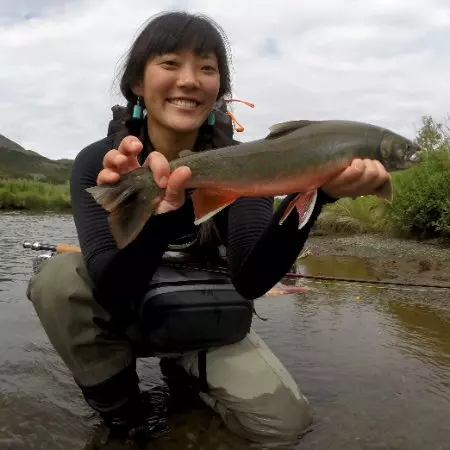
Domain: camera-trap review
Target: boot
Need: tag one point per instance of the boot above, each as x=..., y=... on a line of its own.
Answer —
x=118, y=402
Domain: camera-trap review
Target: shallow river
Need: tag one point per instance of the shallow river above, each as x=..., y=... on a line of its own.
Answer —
x=375, y=363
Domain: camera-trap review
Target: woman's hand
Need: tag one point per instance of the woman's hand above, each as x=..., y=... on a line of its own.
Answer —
x=363, y=177
x=124, y=160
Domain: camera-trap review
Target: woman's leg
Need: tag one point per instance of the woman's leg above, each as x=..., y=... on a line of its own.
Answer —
x=253, y=393
x=100, y=359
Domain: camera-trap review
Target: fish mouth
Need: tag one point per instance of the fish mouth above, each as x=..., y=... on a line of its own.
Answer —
x=184, y=102
x=415, y=157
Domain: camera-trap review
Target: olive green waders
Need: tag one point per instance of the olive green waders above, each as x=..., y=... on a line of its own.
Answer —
x=247, y=385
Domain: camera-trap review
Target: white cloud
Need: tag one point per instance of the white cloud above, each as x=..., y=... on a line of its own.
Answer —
x=382, y=61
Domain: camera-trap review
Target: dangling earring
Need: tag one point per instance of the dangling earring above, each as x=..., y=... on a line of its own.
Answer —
x=237, y=126
x=211, y=118
x=137, y=109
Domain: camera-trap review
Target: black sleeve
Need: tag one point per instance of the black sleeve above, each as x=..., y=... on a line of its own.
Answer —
x=118, y=275
x=259, y=250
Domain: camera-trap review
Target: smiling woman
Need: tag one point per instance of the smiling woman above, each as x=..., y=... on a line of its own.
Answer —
x=177, y=69
x=106, y=306
x=179, y=89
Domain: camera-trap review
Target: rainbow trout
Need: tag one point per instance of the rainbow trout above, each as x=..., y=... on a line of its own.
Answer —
x=295, y=157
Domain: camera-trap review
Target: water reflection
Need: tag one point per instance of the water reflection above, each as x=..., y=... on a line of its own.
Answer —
x=373, y=362
x=426, y=328
x=333, y=266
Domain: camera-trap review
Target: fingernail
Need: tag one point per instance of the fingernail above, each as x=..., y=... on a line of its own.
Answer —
x=163, y=181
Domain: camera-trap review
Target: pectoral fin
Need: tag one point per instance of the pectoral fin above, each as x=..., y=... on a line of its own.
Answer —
x=206, y=205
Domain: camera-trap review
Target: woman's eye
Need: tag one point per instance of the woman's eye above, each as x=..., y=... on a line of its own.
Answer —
x=209, y=68
x=169, y=63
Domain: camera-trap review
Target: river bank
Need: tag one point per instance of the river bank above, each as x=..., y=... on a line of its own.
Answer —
x=381, y=257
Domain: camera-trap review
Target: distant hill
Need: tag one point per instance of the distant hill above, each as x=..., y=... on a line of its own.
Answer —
x=16, y=162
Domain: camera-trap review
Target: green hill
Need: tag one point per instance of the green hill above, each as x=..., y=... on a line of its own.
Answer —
x=17, y=162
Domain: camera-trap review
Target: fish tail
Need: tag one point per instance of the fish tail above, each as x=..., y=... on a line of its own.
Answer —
x=130, y=206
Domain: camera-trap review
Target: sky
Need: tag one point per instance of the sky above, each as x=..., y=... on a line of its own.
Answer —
x=379, y=61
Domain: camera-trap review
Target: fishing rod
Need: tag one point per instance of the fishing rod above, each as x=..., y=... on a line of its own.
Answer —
x=64, y=248
x=364, y=280
x=57, y=248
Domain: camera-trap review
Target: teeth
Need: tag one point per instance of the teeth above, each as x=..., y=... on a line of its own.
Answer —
x=183, y=103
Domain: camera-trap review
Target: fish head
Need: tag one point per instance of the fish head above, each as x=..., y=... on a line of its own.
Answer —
x=399, y=153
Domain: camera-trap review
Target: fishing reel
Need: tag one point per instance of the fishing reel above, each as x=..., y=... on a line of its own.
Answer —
x=39, y=259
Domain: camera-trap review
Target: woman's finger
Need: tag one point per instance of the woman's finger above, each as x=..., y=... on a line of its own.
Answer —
x=160, y=168
x=373, y=177
x=383, y=175
x=114, y=160
x=176, y=186
x=347, y=177
x=130, y=146
x=108, y=176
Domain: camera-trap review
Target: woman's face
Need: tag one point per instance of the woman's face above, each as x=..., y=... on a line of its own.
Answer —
x=180, y=89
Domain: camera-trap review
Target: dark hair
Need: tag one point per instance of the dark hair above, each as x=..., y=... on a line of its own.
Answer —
x=164, y=33
x=175, y=31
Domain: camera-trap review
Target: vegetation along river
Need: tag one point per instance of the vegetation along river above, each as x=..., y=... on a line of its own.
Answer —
x=374, y=360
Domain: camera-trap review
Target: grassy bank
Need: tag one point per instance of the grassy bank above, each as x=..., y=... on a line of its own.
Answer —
x=34, y=196
x=362, y=215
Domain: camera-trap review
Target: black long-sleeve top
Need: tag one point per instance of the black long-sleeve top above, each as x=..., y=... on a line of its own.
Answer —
x=259, y=250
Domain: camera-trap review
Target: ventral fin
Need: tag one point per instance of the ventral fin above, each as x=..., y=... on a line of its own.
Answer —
x=207, y=205
x=283, y=128
x=304, y=204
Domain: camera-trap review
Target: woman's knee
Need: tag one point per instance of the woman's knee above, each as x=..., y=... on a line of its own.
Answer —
x=253, y=392
x=56, y=285
x=64, y=302
x=274, y=418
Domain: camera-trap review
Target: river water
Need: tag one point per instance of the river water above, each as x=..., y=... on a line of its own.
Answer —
x=374, y=363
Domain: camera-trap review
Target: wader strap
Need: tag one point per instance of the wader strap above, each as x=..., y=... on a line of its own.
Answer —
x=202, y=370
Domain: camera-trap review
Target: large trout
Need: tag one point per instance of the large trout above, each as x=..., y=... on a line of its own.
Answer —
x=295, y=157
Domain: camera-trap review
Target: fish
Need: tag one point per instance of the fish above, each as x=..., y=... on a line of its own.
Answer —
x=297, y=156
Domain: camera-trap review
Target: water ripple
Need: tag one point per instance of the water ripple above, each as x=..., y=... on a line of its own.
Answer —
x=374, y=363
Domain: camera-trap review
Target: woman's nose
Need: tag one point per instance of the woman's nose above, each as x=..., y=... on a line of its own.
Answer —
x=188, y=77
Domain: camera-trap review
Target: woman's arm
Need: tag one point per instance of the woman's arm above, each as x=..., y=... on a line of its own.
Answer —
x=259, y=250
x=117, y=275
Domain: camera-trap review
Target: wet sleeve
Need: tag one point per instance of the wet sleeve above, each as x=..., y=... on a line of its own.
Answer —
x=118, y=275
x=259, y=250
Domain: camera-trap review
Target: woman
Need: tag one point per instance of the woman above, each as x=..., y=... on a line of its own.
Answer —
x=177, y=71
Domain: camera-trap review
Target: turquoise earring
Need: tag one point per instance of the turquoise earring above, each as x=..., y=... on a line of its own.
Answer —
x=137, y=109
x=211, y=118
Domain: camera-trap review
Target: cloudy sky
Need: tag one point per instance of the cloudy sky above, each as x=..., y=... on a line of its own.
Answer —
x=381, y=61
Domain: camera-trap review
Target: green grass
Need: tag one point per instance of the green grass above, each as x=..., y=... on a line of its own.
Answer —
x=34, y=196
x=368, y=214
x=421, y=205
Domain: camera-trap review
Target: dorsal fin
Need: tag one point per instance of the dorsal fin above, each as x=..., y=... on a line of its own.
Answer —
x=283, y=128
